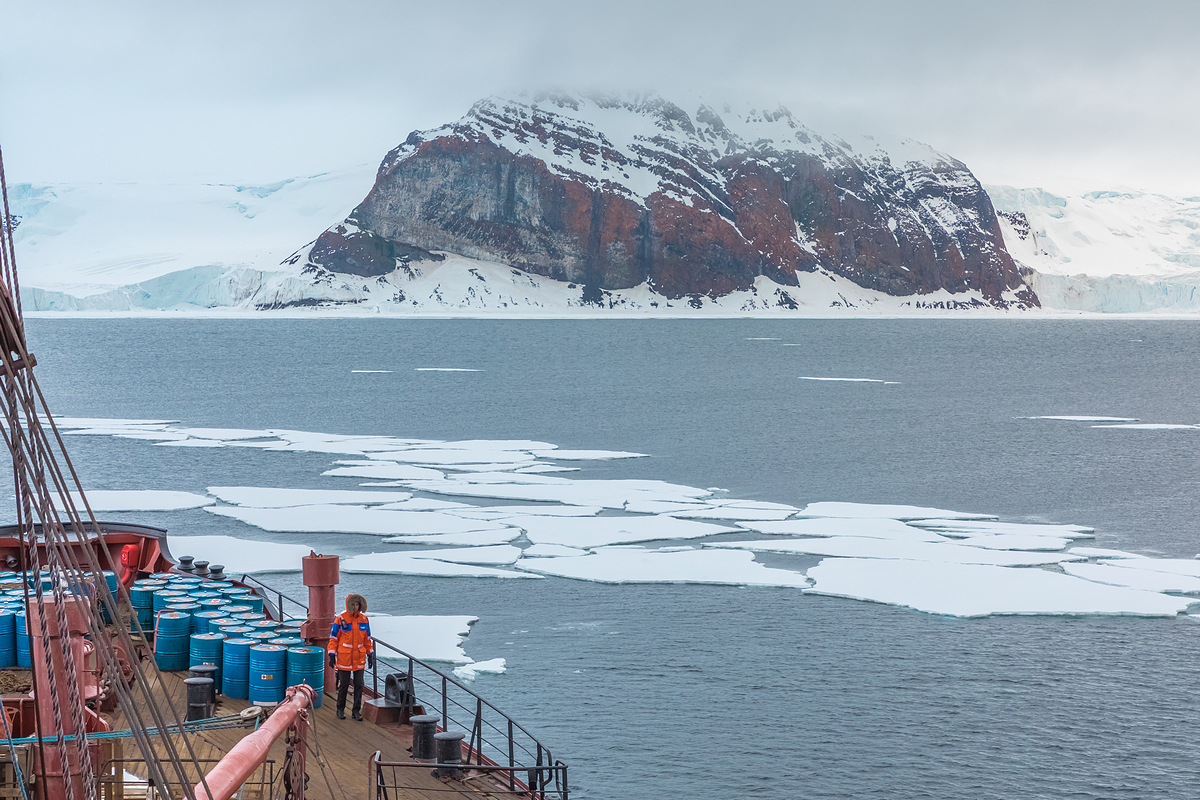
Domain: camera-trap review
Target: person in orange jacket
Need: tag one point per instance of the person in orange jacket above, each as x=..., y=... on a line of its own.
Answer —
x=351, y=650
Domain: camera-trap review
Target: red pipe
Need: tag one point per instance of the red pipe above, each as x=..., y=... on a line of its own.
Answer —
x=248, y=755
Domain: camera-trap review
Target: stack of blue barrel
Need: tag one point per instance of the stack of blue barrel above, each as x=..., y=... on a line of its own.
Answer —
x=8, y=637
x=206, y=649
x=235, y=668
x=306, y=665
x=172, y=639
x=268, y=674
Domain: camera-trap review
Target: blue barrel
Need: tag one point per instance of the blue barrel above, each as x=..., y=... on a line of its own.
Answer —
x=214, y=603
x=230, y=591
x=288, y=642
x=187, y=581
x=150, y=583
x=164, y=598
x=239, y=631
x=191, y=609
x=289, y=630
x=8, y=637
x=307, y=665
x=216, y=586
x=235, y=668
x=202, y=594
x=172, y=640
x=264, y=637
x=252, y=600
x=206, y=649
x=268, y=674
x=253, y=616
x=204, y=620
x=264, y=624
x=141, y=598
x=234, y=610
x=222, y=622
x=21, y=624
x=164, y=576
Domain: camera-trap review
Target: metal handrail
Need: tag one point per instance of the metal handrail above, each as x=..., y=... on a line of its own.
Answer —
x=538, y=786
x=477, y=742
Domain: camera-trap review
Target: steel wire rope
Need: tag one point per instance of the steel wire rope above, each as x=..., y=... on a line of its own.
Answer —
x=12, y=752
x=13, y=327
x=319, y=755
x=77, y=527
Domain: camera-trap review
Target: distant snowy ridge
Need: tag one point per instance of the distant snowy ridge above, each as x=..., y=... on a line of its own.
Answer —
x=1107, y=251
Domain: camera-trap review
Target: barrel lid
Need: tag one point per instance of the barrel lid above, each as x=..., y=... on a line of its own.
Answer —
x=305, y=649
x=211, y=614
x=236, y=629
x=268, y=648
x=172, y=615
x=240, y=641
x=208, y=637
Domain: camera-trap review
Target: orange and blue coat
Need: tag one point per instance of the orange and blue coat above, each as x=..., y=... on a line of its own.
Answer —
x=350, y=640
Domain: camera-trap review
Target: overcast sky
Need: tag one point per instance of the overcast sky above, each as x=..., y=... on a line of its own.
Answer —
x=1059, y=94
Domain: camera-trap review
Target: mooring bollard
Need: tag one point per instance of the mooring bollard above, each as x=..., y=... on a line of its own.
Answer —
x=206, y=671
x=199, y=694
x=424, y=727
x=449, y=753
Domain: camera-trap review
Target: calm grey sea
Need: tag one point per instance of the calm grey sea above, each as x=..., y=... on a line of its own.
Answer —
x=694, y=691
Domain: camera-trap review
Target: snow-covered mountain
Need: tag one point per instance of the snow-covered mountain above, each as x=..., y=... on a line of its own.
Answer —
x=615, y=192
x=1106, y=251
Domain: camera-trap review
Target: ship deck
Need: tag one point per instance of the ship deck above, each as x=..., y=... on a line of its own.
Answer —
x=337, y=763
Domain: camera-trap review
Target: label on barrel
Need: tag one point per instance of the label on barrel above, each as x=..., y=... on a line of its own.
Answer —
x=270, y=677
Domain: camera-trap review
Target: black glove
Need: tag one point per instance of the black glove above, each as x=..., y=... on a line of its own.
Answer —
x=371, y=660
x=332, y=660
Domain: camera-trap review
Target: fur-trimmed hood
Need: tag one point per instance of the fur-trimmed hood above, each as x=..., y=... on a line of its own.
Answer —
x=362, y=602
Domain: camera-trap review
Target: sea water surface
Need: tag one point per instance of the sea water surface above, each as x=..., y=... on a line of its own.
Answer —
x=702, y=691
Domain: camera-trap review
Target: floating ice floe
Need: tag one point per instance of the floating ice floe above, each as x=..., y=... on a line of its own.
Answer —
x=382, y=470
x=468, y=539
x=1015, y=541
x=191, y=443
x=507, y=512
x=551, y=551
x=606, y=494
x=351, y=519
x=1089, y=419
x=467, y=672
x=240, y=555
x=264, y=497
x=422, y=455
x=1175, y=566
x=1145, y=579
x=426, y=637
x=878, y=510
x=422, y=504
x=1100, y=552
x=154, y=436
x=139, y=500
x=976, y=590
x=586, y=455
x=732, y=512
x=879, y=528
x=599, y=531
x=639, y=565
x=968, y=527
x=407, y=563
x=496, y=555
x=888, y=549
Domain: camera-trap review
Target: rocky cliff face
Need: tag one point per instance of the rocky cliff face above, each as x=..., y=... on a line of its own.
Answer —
x=613, y=193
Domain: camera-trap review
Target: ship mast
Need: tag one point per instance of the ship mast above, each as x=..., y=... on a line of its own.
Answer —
x=58, y=529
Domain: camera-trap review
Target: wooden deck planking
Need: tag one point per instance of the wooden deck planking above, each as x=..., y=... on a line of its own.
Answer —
x=343, y=746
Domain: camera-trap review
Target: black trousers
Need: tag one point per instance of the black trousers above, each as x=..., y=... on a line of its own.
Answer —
x=344, y=677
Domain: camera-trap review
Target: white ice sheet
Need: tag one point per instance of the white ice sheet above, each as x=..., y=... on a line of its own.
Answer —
x=551, y=551
x=262, y=497
x=856, y=547
x=495, y=555
x=976, y=590
x=406, y=563
x=240, y=555
x=1175, y=566
x=1146, y=579
x=880, y=528
x=639, y=565
x=351, y=519
x=468, y=539
x=1015, y=541
x=599, y=531
x=427, y=638
x=1100, y=552
x=383, y=471
x=968, y=527
x=875, y=510
x=468, y=672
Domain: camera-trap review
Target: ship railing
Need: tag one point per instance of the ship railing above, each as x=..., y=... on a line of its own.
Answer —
x=492, y=738
x=117, y=782
x=540, y=781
